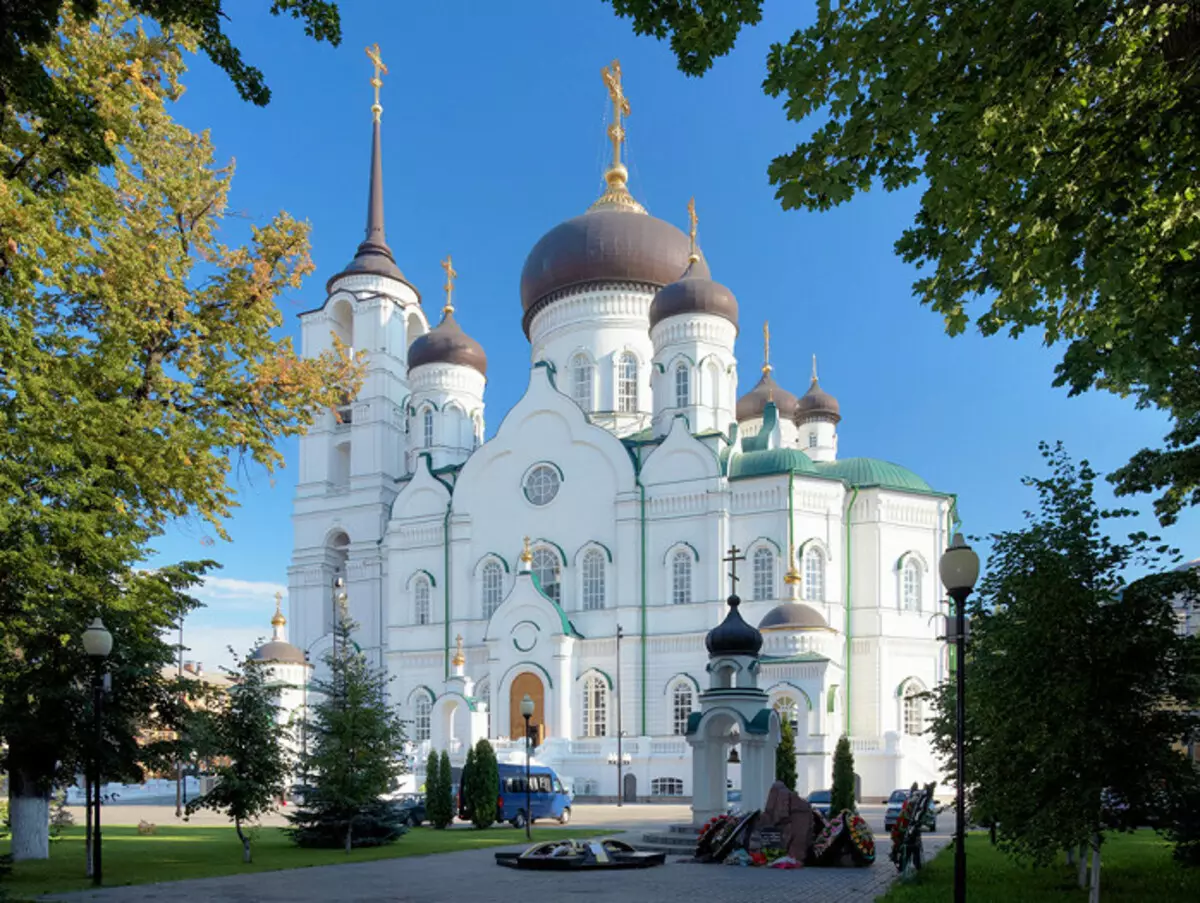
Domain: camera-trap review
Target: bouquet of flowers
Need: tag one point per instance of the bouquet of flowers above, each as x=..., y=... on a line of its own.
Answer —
x=862, y=838
x=712, y=834
x=832, y=831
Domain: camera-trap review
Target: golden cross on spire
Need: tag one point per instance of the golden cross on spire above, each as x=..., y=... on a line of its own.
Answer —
x=814, y=368
x=279, y=620
x=616, y=133
x=376, y=81
x=766, y=347
x=448, y=266
x=693, y=254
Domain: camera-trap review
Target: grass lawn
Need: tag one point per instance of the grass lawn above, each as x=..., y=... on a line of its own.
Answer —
x=175, y=853
x=1135, y=868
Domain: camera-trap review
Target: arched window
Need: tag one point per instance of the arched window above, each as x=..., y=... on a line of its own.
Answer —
x=914, y=709
x=666, y=787
x=911, y=584
x=595, y=708
x=547, y=568
x=421, y=600
x=714, y=386
x=493, y=588
x=483, y=693
x=683, y=386
x=814, y=575
x=422, y=707
x=682, y=703
x=627, y=383
x=681, y=577
x=427, y=424
x=764, y=574
x=788, y=711
x=581, y=382
x=593, y=580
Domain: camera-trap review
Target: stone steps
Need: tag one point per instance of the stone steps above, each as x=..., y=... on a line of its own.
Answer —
x=677, y=840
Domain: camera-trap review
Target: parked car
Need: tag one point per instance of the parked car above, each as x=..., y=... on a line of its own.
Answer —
x=896, y=802
x=820, y=800
x=547, y=797
x=413, y=810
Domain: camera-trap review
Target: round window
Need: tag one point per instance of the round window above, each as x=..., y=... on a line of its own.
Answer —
x=541, y=484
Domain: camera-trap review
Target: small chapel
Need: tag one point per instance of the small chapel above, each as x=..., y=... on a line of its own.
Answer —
x=576, y=553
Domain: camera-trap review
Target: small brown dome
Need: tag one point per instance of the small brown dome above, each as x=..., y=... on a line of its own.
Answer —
x=446, y=343
x=279, y=652
x=693, y=294
x=793, y=616
x=817, y=404
x=605, y=244
x=754, y=402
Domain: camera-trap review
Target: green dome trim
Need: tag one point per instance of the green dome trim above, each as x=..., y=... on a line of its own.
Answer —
x=864, y=472
x=769, y=462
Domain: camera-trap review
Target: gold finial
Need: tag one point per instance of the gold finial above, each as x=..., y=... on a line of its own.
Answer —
x=448, y=266
x=376, y=81
x=814, y=368
x=616, y=194
x=766, y=347
x=279, y=620
x=693, y=254
x=527, y=553
x=459, y=658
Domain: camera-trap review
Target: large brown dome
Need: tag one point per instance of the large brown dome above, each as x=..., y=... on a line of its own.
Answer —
x=606, y=244
x=446, y=343
x=693, y=294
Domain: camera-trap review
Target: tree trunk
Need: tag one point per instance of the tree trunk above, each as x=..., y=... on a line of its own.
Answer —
x=1094, y=895
x=29, y=812
x=349, y=836
x=1083, y=867
x=237, y=824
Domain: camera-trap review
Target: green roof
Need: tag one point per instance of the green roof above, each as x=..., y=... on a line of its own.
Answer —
x=758, y=442
x=873, y=472
x=769, y=461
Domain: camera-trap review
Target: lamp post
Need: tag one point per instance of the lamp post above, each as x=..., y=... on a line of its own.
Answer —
x=620, y=760
x=97, y=643
x=620, y=763
x=959, y=569
x=180, y=778
x=527, y=713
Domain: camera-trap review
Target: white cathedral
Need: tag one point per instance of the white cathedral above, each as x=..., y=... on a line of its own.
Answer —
x=577, y=555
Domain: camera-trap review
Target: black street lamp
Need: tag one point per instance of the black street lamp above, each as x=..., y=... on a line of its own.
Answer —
x=97, y=643
x=959, y=569
x=620, y=733
x=527, y=713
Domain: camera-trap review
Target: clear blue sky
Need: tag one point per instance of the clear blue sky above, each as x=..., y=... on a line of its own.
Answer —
x=494, y=117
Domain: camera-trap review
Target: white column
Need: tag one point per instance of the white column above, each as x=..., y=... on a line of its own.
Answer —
x=560, y=695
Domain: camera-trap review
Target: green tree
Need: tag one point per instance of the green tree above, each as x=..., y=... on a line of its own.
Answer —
x=435, y=795
x=785, y=755
x=1079, y=686
x=1056, y=144
x=249, y=739
x=468, y=782
x=30, y=86
x=445, y=792
x=138, y=366
x=355, y=753
x=485, y=784
x=842, y=795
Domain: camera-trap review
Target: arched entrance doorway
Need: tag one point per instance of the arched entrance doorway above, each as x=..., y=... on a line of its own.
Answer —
x=526, y=682
x=630, y=790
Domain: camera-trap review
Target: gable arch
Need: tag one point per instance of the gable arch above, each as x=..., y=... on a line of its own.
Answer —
x=593, y=544
x=678, y=678
x=910, y=683
x=677, y=546
x=680, y=357
x=786, y=687
x=490, y=556
x=914, y=555
x=420, y=572
x=811, y=543
x=420, y=689
x=595, y=672
x=765, y=541
x=542, y=541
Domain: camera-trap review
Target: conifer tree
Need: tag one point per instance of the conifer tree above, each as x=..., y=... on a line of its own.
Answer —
x=785, y=755
x=485, y=785
x=435, y=797
x=445, y=791
x=248, y=736
x=356, y=745
x=466, y=792
x=842, y=796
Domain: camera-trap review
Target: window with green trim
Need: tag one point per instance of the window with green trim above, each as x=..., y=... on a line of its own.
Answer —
x=422, y=712
x=547, y=568
x=911, y=585
x=683, y=700
x=421, y=606
x=595, y=708
x=764, y=574
x=683, y=386
x=681, y=577
x=493, y=588
x=541, y=484
x=593, y=580
x=814, y=575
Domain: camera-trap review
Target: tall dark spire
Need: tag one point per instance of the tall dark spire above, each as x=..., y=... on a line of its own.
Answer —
x=373, y=255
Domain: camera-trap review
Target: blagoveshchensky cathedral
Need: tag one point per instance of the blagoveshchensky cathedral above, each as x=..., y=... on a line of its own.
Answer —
x=577, y=555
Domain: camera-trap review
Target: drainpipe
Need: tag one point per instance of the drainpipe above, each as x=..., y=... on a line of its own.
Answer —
x=849, y=583
x=642, y=489
x=446, y=588
x=791, y=518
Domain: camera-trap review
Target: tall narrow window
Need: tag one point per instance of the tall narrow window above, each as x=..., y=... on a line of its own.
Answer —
x=546, y=568
x=593, y=580
x=427, y=423
x=421, y=600
x=788, y=711
x=812, y=440
x=814, y=575
x=483, y=693
x=764, y=574
x=627, y=384
x=581, y=382
x=683, y=386
x=714, y=386
x=493, y=588
x=911, y=585
x=422, y=708
x=914, y=709
x=682, y=702
x=681, y=578
x=595, y=708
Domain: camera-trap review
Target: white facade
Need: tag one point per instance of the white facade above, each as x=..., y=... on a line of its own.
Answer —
x=630, y=504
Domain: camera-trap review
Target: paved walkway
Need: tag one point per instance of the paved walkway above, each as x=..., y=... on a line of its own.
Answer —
x=473, y=877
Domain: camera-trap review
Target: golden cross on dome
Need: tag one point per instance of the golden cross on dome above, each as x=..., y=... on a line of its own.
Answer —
x=767, y=357
x=448, y=266
x=616, y=133
x=459, y=658
x=279, y=619
x=376, y=81
x=733, y=559
x=693, y=256
x=527, y=553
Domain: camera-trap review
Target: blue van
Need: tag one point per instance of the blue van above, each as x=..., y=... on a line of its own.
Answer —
x=547, y=797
